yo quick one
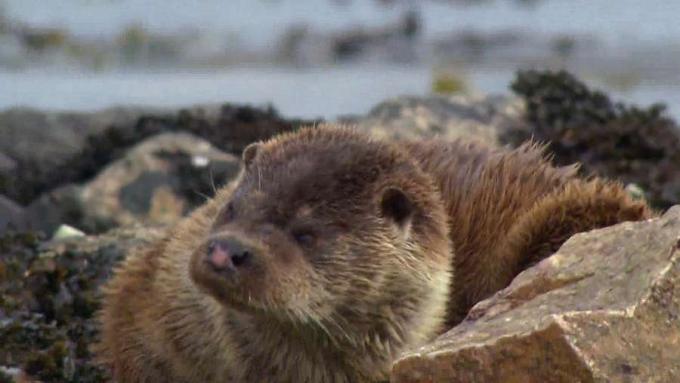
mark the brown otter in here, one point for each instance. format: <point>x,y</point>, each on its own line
<point>333,252</point>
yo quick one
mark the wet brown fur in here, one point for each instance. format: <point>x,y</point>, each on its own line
<point>510,209</point>
<point>480,216</point>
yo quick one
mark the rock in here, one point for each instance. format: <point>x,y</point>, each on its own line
<point>635,191</point>
<point>66,231</point>
<point>156,182</point>
<point>49,293</point>
<point>10,374</point>
<point>41,144</point>
<point>11,215</point>
<point>77,153</point>
<point>49,138</point>
<point>63,205</point>
<point>396,42</point>
<point>448,117</point>
<point>605,307</point>
<point>304,45</point>
<point>6,163</point>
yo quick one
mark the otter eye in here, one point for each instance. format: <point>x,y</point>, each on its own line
<point>304,238</point>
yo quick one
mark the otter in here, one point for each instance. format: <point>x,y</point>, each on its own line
<point>333,252</point>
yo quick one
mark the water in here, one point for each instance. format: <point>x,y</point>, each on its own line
<point>326,93</point>
<point>260,21</point>
<point>619,27</point>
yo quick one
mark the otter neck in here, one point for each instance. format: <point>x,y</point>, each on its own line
<point>281,350</point>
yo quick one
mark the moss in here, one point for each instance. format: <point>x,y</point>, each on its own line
<point>447,84</point>
<point>611,139</point>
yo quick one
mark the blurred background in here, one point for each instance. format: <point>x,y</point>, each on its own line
<point>326,58</point>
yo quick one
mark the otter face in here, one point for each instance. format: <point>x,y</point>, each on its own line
<point>326,227</point>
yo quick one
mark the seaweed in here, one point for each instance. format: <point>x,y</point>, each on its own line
<point>635,145</point>
<point>49,297</point>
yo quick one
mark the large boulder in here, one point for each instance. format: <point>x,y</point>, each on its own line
<point>481,118</point>
<point>48,138</point>
<point>157,182</point>
<point>604,308</point>
<point>11,215</point>
<point>7,164</point>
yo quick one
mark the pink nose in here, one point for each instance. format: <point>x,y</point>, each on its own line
<point>219,258</point>
<point>227,254</point>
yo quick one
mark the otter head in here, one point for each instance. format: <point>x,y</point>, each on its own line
<point>329,228</point>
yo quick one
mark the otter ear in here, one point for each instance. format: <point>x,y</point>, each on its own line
<point>249,154</point>
<point>396,205</point>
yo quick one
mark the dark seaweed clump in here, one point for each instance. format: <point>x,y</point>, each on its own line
<point>47,302</point>
<point>629,143</point>
<point>233,129</point>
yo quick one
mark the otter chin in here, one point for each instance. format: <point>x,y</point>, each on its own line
<point>334,252</point>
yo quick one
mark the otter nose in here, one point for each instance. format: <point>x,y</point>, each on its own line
<point>227,254</point>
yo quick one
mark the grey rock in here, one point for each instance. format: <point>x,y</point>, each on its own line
<point>59,206</point>
<point>157,182</point>
<point>7,164</point>
<point>61,148</point>
<point>446,117</point>
<point>51,137</point>
<point>66,232</point>
<point>11,215</point>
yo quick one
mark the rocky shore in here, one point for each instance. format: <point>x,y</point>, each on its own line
<point>78,191</point>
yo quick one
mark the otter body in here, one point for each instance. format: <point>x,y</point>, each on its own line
<point>332,253</point>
